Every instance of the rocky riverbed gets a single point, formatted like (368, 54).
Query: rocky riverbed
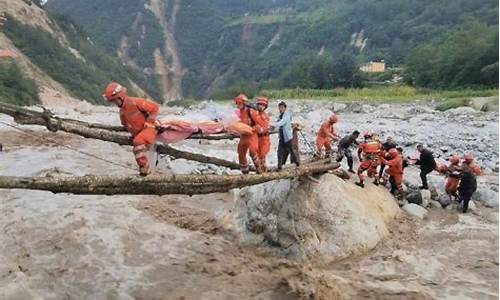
(324, 239)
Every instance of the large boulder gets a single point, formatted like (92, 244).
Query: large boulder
(426, 197)
(325, 220)
(412, 178)
(415, 210)
(414, 197)
(486, 195)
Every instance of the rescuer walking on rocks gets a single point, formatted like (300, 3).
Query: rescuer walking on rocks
(344, 149)
(368, 154)
(262, 127)
(248, 142)
(326, 134)
(138, 115)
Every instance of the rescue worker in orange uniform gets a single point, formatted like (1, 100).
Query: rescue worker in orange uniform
(139, 116)
(262, 126)
(326, 134)
(248, 142)
(453, 174)
(368, 154)
(394, 161)
(469, 161)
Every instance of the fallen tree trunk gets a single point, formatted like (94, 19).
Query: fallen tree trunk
(46, 118)
(26, 116)
(176, 153)
(155, 184)
(106, 133)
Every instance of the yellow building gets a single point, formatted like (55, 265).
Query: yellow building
(373, 66)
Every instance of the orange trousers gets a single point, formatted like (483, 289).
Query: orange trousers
(323, 143)
(263, 150)
(398, 180)
(248, 143)
(370, 165)
(451, 186)
(142, 143)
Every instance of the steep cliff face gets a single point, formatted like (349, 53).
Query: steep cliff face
(37, 17)
(168, 65)
(59, 57)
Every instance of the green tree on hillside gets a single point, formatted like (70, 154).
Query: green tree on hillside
(323, 72)
(15, 88)
(465, 58)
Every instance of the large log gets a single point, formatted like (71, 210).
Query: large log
(42, 118)
(27, 116)
(155, 184)
(107, 133)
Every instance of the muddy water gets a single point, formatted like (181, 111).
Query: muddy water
(121, 247)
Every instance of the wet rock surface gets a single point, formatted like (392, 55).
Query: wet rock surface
(307, 220)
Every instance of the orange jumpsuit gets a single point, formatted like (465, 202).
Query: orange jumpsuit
(396, 171)
(453, 180)
(138, 116)
(370, 159)
(324, 138)
(264, 140)
(249, 143)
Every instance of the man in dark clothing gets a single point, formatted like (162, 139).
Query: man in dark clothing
(386, 146)
(285, 145)
(427, 164)
(468, 185)
(344, 149)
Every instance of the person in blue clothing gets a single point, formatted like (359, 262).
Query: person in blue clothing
(285, 146)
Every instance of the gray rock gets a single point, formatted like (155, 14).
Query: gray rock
(340, 107)
(368, 108)
(415, 210)
(435, 204)
(426, 197)
(412, 178)
(183, 167)
(472, 205)
(414, 197)
(329, 219)
(433, 193)
(461, 111)
(444, 200)
(315, 116)
(487, 196)
(356, 108)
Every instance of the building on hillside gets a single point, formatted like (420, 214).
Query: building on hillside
(373, 66)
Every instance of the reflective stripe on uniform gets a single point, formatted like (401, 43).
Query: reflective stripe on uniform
(133, 114)
(140, 155)
(139, 148)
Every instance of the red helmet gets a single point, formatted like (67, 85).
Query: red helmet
(442, 169)
(333, 119)
(393, 152)
(263, 100)
(114, 90)
(468, 158)
(454, 160)
(241, 99)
